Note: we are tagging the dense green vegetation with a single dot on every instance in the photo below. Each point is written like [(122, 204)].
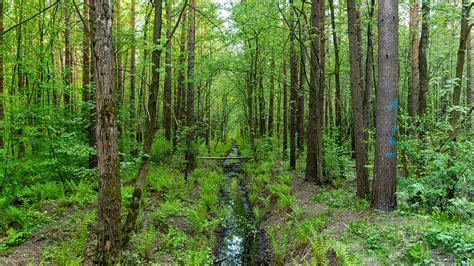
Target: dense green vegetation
[(352, 120)]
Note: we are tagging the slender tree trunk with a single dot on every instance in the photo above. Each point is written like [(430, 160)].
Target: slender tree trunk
[(338, 101), (133, 73), (271, 102), (109, 199), (150, 127), (293, 89), (285, 108), (468, 81), (322, 72), (119, 56), (461, 56), (369, 71), (180, 108), (385, 172), (357, 92), (167, 97), (261, 104), (2, 116), (190, 156), (414, 44), (314, 171), (422, 57), (301, 90), (68, 56)]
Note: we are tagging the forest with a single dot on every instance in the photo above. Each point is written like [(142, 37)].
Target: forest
[(236, 132)]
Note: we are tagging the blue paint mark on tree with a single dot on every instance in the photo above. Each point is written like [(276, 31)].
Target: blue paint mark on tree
[(392, 140)]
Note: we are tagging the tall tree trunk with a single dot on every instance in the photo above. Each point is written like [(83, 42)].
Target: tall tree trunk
[(422, 57), (109, 199), (314, 171), (180, 107), (301, 90), (369, 70), (68, 56), (190, 156), (261, 104), (468, 81), (271, 102), (293, 89), (88, 95), (385, 172), (150, 126), (2, 116), (322, 71), (133, 73), (461, 56), (285, 108), (167, 97), (119, 56), (414, 44), (357, 92), (338, 101)]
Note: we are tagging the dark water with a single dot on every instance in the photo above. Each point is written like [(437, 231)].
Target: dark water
[(241, 243)]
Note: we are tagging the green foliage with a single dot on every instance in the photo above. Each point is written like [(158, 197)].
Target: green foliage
[(418, 253), (162, 149)]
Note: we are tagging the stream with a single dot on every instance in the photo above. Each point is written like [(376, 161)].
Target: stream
[(241, 242)]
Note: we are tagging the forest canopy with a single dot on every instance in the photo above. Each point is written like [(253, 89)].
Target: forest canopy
[(236, 132)]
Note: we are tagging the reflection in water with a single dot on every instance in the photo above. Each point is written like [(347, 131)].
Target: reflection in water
[(239, 243)]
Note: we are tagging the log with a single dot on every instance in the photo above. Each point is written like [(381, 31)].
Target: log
[(225, 158)]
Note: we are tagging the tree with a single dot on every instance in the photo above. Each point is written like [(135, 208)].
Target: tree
[(109, 199), (190, 157), (293, 89), (271, 102), (301, 91), (357, 93), (133, 74), (385, 172), (2, 116), (150, 126), (67, 55), (469, 79), (285, 107), (461, 56), (422, 57), (167, 97), (314, 165), (337, 79), (414, 43)]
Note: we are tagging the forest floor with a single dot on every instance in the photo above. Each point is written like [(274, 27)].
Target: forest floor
[(182, 221)]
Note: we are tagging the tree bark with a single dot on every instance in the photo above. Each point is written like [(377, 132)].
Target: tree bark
[(190, 156), (180, 107), (461, 56), (422, 57), (385, 172), (167, 97), (338, 102), (150, 127), (119, 57), (293, 89), (369, 70), (414, 44), (301, 90), (285, 108), (469, 80), (109, 198), (357, 92), (314, 171), (271, 102), (133, 73), (68, 56), (2, 116)]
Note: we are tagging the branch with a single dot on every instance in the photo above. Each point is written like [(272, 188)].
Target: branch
[(34, 16)]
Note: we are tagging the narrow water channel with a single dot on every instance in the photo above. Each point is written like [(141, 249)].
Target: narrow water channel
[(240, 243)]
